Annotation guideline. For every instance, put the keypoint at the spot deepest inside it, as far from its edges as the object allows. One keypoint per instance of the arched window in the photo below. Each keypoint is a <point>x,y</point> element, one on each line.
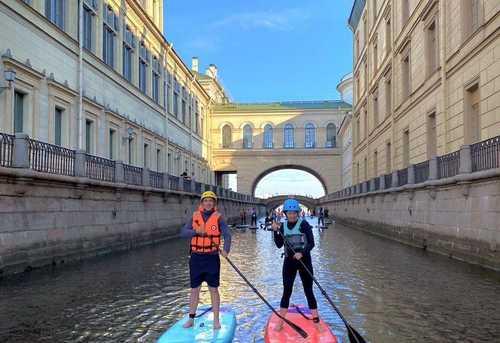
<point>268,137</point>
<point>331,135</point>
<point>288,141</point>
<point>247,137</point>
<point>310,136</point>
<point>227,136</point>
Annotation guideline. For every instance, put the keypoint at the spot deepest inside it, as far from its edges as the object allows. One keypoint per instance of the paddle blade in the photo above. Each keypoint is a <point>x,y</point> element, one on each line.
<point>354,336</point>
<point>297,328</point>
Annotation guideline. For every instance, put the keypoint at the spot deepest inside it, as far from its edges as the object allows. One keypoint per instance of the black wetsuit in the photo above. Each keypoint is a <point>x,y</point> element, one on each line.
<point>291,266</point>
<point>321,218</point>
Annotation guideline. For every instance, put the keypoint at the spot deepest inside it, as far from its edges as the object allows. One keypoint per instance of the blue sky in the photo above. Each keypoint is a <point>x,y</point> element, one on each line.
<point>266,50</point>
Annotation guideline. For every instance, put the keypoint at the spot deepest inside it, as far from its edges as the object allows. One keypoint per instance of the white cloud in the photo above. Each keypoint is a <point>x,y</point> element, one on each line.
<point>285,20</point>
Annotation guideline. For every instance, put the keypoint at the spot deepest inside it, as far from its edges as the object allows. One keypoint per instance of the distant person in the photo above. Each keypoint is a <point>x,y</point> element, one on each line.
<point>321,217</point>
<point>254,218</point>
<point>327,214</point>
<point>243,217</point>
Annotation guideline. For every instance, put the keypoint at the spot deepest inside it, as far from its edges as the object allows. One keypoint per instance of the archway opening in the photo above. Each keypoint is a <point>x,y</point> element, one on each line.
<point>289,181</point>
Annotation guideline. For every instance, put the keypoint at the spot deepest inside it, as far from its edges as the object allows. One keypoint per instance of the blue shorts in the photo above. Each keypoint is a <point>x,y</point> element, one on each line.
<point>204,267</point>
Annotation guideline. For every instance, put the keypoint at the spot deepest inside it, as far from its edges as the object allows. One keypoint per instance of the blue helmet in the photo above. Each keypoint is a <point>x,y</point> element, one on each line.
<point>291,205</point>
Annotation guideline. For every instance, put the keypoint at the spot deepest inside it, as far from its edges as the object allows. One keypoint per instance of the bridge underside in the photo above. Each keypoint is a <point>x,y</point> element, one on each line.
<point>274,202</point>
<point>252,165</point>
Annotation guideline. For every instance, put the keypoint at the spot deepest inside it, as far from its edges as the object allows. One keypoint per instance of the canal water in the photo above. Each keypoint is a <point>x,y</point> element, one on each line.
<point>388,291</point>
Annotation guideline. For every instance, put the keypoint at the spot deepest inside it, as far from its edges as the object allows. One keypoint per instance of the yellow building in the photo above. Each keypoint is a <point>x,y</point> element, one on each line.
<point>426,80</point>
<point>255,139</point>
<point>118,91</point>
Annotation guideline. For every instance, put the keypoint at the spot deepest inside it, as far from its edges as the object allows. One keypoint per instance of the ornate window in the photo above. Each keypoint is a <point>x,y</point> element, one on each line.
<point>288,141</point>
<point>55,12</point>
<point>268,137</point>
<point>129,45</point>
<point>144,58</point>
<point>247,137</point>
<point>331,135</point>
<point>110,30</point>
<point>310,138</point>
<point>226,136</point>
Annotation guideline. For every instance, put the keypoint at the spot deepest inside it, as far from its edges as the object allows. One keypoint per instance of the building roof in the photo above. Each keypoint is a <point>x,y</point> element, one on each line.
<point>357,9</point>
<point>321,104</point>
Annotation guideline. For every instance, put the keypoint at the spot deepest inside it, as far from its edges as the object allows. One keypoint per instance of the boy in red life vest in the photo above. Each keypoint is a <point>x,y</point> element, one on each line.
<point>205,230</point>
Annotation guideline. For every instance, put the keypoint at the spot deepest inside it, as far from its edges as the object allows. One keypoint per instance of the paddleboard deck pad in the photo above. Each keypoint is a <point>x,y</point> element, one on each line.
<point>202,330</point>
<point>287,334</point>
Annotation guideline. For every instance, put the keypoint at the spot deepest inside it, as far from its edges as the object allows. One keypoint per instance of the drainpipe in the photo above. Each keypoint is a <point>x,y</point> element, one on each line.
<point>191,129</point>
<point>80,76</point>
<point>169,48</point>
<point>208,124</point>
<point>444,84</point>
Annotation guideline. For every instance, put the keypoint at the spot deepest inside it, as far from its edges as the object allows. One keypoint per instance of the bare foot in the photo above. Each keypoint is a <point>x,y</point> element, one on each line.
<point>279,326</point>
<point>188,324</point>
<point>217,325</point>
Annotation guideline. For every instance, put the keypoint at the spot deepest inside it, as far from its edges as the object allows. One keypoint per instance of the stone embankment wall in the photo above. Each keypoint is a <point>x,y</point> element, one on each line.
<point>48,219</point>
<point>458,216</point>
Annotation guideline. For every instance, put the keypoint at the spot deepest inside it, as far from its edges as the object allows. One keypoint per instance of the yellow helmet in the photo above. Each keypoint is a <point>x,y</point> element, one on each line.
<point>209,194</point>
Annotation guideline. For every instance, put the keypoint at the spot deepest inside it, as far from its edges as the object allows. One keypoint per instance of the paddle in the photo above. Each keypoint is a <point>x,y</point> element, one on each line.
<point>297,328</point>
<point>354,336</point>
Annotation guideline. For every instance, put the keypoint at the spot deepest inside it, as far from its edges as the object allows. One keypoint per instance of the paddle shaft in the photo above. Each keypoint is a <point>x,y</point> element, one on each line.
<point>299,330</point>
<point>354,333</point>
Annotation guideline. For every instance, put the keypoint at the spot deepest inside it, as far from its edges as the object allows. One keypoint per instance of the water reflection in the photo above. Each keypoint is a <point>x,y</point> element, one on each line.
<point>390,292</point>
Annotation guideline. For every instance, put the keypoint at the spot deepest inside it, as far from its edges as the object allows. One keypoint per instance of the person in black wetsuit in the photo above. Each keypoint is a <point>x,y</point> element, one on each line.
<point>321,218</point>
<point>254,218</point>
<point>299,236</point>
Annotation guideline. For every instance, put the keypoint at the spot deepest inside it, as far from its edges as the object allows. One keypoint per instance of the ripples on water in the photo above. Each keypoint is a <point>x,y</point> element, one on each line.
<point>389,292</point>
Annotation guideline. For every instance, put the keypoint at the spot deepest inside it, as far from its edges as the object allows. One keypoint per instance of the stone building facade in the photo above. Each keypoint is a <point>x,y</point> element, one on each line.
<point>426,80</point>
<point>345,136</point>
<point>119,94</point>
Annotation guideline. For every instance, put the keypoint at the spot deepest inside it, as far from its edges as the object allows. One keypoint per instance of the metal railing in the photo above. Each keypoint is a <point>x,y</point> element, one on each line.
<point>186,186</point>
<point>48,158</point>
<point>132,175</point>
<point>39,156</point>
<point>174,183</point>
<point>388,180</point>
<point>6,149</point>
<point>197,188</point>
<point>421,172</point>
<point>402,177</point>
<point>486,154</point>
<point>99,168</point>
<point>448,165</point>
<point>156,179</point>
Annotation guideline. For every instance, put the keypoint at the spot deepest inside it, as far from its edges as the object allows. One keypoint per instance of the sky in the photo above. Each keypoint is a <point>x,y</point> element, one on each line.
<point>280,182</point>
<point>267,50</point>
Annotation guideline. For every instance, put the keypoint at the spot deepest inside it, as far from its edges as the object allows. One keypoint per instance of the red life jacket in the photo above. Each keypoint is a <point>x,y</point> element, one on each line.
<point>210,241</point>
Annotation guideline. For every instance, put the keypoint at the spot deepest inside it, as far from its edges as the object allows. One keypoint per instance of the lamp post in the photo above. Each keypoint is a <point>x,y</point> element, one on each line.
<point>10,77</point>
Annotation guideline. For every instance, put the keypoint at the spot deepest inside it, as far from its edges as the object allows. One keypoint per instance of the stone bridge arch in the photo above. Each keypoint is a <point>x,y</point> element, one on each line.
<point>274,202</point>
<point>268,171</point>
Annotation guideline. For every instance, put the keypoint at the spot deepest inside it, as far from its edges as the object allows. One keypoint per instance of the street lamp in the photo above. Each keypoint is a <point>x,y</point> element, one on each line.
<point>9,76</point>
